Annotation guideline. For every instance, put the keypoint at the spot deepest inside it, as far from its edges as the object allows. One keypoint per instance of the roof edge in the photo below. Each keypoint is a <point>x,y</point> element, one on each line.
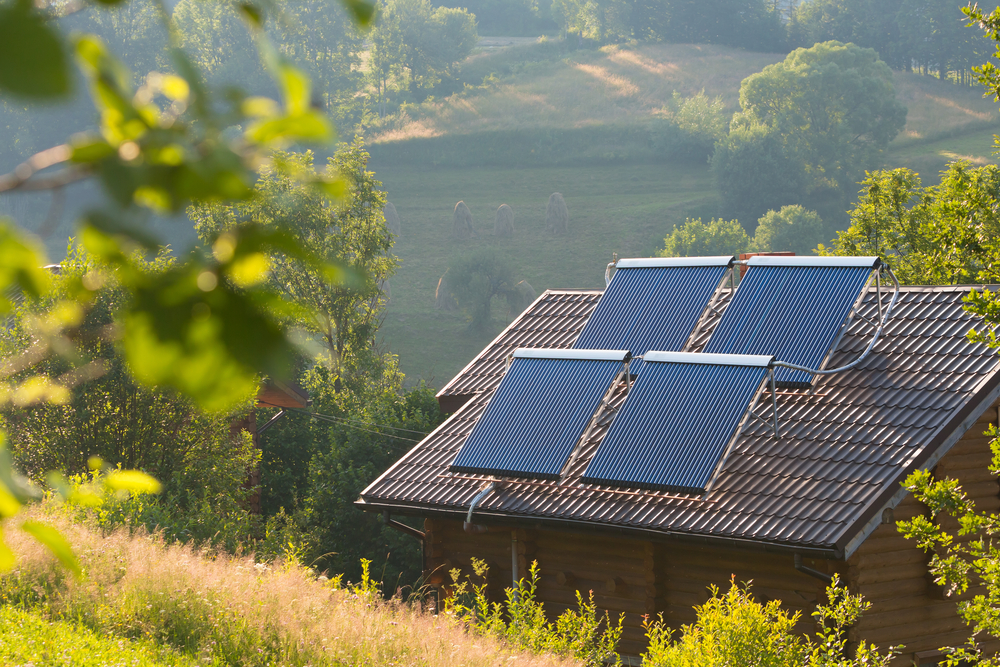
<point>578,526</point>
<point>855,534</point>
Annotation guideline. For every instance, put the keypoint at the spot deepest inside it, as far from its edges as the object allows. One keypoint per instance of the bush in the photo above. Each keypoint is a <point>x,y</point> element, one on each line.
<point>793,228</point>
<point>733,630</point>
<point>477,279</point>
<point>696,239</point>
<point>521,619</point>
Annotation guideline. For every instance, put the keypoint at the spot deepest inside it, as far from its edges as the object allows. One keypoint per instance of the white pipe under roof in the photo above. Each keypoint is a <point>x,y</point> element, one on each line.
<point>712,359</point>
<point>587,355</point>
<point>657,262</point>
<point>819,262</point>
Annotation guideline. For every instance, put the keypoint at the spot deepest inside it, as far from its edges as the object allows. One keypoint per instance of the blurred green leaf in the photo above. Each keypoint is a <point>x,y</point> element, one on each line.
<point>32,59</point>
<point>92,149</point>
<point>54,541</point>
<point>308,126</point>
<point>132,480</point>
<point>252,14</point>
<point>361,10</point>
<point>189,330</point>
<point>21,265</point>
<point>7,559</point>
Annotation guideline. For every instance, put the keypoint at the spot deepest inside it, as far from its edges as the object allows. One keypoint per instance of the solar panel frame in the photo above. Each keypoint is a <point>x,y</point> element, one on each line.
<point>654,303</point>
<point>664,438</point>
<point>774,295</point>
<point>537,415</point>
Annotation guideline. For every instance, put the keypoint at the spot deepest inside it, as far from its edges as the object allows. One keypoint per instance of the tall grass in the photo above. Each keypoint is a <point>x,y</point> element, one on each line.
<point>224,610</point>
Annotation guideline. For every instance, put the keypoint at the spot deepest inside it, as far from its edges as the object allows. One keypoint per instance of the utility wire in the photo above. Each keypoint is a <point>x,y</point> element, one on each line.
<point>355,425</point>
<point>348,422</point>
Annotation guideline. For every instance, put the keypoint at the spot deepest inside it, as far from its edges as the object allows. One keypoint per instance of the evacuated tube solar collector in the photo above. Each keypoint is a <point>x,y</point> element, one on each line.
<point>543,404</point>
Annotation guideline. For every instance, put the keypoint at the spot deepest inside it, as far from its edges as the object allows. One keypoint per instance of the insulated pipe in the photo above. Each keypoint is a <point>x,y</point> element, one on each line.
<point>871,345</point>
<point>468,526</point>
<point>607,274</point>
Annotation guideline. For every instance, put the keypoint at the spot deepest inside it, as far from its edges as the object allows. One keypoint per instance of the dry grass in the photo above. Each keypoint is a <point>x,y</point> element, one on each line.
<point>613,85</point>
<point>631,84</point>
<point>227,610</point>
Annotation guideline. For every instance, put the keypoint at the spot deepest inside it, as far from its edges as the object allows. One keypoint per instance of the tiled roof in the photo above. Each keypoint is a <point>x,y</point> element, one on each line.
<point>553,321</point>
<point>842,453</point>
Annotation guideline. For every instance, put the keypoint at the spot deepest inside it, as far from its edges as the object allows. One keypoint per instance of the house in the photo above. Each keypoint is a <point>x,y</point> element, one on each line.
<point>806,486</point>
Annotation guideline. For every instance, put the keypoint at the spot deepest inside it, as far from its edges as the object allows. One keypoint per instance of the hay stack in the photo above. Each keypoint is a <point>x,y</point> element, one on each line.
<point>392,219</point>
<point>556,215</point>
<point>462,229</point>
<point>504,225</point>
<point>522,296</point>
<point>444,298</point>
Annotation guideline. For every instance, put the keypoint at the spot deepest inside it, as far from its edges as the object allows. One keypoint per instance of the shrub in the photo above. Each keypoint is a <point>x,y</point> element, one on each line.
<point>792,228</point>
<point>479,277</point>
<point>695,239</point>
<point>733,630</point>
<point>521,619</point>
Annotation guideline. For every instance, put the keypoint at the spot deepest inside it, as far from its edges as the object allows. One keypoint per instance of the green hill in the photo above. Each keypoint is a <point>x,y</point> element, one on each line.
<point>578,123</point>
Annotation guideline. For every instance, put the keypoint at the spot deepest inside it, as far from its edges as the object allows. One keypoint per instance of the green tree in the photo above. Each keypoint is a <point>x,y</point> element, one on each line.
<point>352,232</point>
<point>831,109</point>
<point>385,58</point>
<point>198,326</point>
<point>793,228</point>
<point>941,235</point>
<point>478,278</point>
<point>695,238</point>
<point>431,40</point>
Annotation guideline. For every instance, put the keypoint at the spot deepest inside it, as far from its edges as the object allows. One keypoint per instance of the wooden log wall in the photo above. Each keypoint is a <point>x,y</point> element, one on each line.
<point>630,577</point>
<point>891,572</point>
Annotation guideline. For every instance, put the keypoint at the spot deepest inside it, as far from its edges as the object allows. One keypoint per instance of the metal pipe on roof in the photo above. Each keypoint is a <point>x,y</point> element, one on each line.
<point>468,526</point>
<point>871,344</point>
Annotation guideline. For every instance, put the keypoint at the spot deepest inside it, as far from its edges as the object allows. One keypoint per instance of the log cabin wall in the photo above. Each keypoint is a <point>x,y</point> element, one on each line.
<point>629,576</point>
<point>891,572</point>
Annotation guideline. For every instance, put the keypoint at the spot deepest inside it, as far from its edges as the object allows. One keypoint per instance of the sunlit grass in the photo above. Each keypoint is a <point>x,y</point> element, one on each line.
<point>28,638</point>
<point>218,610</point>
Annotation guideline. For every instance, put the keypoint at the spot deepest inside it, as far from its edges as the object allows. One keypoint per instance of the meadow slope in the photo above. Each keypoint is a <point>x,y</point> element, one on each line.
<point>573,122</point>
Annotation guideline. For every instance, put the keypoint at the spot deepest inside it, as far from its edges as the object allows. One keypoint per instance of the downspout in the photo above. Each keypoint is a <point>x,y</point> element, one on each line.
<point>468,526</point>
<point>513,559</point>
<point>822,576</point>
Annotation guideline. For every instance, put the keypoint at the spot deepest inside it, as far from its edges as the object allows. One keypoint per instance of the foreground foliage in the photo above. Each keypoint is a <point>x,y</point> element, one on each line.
<point>734,630</point>
<point>964,554</point>
<point>520,620</point>
<point>27,637</point>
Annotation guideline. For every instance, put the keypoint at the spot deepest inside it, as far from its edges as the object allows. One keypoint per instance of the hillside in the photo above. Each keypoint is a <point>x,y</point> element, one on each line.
<point>142,602</point>
<point>573,122</point>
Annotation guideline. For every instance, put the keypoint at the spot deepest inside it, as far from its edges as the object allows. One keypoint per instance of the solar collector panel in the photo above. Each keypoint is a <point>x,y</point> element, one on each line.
<point>679,418</point>
<point>539,412</point>
<point>792,308</point>
<point>653,304</point>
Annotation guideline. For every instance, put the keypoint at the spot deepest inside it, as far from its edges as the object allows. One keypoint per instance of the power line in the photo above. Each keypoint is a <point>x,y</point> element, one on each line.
<point>356,425</point>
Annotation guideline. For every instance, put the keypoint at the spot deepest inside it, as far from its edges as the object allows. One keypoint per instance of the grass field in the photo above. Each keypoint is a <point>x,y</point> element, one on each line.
<point>626,209</point>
